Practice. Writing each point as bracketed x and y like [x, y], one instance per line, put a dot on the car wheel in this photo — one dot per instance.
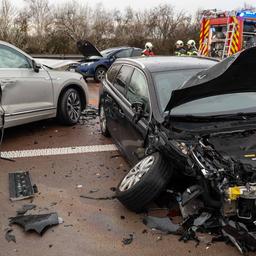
[100, 74]
[144, 182]
[103, 122]
[69, 111]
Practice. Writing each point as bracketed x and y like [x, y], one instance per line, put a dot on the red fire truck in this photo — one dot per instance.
[225, 33]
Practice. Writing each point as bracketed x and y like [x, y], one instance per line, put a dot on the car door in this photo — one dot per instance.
[135, 133]
[114, 100]
[26, 95]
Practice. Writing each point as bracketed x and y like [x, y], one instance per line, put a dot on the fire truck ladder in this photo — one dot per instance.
[231, 30]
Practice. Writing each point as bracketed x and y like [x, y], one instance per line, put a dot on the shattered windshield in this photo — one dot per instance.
[167, 81]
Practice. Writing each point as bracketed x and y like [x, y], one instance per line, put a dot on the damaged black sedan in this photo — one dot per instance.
[189, 126]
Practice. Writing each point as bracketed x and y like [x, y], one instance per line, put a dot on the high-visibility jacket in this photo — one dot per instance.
[180, 52]
[192, 51]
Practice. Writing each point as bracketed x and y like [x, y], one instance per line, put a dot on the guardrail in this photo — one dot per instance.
[58, 56]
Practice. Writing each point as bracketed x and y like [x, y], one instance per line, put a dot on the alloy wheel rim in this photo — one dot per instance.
[73, 106]
[136, 173]
[100, 74]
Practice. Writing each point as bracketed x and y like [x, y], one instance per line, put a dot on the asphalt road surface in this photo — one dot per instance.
[91, 227]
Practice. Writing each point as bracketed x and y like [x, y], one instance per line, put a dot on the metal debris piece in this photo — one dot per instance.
[163, 224]
[88, 114]
[199, 221]
[99, 198]
[127, 241]
[38, 223]
[20, 186]
[238, 234]
[10, 237]
[25, 208]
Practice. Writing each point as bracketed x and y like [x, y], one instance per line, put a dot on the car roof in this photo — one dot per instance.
[120, 48]
[165, 63]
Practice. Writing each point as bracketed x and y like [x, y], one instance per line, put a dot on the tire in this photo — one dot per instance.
[69, 110]
[103, 122]
[148, 187]
[100, 74]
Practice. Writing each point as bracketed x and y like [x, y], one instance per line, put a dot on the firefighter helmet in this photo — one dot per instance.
[191, 43]
[149, 46]
[179, 43]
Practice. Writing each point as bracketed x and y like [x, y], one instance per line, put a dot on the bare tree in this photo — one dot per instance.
[7, 16]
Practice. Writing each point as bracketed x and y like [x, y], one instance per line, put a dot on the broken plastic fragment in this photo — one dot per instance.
[25, 208]
[127, 241]
[163, 224]
[38, 223]
[10, 237]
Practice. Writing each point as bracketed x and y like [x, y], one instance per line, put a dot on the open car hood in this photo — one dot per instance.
[88, 49]
[1, 114]
[233, 75]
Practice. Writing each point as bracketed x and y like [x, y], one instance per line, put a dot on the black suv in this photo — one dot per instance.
[188, 123]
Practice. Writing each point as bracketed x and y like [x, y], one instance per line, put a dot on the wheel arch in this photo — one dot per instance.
[80, 91]
[101, 66]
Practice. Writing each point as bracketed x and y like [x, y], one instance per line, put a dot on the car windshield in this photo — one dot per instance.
[219, 105]
[167, 81]
[105, 53]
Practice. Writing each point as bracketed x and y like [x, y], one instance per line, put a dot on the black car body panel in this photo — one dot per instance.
[216, 153]
[234, 74]
[88, 49]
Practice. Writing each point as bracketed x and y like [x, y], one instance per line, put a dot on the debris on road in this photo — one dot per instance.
[9, 236]
[163, 224]
[20, 186]
[127, 241]
[38, 223]
[25, 208]
[90, 113]
[98, 198]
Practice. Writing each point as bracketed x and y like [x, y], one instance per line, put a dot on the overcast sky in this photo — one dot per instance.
[188, 5]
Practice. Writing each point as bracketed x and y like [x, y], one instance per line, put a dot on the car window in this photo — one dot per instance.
[124, 53]
[167, 81]
[123, 78]
[112, 72]
[10, 58]
[138, 89]
[136, 52]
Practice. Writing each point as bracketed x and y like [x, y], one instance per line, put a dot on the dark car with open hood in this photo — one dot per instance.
[188, 125]
[96, 63]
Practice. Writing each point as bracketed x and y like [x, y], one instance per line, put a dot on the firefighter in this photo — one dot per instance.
[148, 50]
[191, 48]
[180, 50]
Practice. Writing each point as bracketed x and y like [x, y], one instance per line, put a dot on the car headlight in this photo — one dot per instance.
[86, 64]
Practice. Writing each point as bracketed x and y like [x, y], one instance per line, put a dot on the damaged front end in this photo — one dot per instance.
[219, 177]
[227, 184]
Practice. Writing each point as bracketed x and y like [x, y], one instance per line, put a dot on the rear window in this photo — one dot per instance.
[136, 52]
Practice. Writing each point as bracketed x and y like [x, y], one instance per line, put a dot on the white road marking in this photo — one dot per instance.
[58, 151]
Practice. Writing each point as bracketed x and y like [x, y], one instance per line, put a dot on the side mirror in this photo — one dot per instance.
[138, 109]
[36, 66]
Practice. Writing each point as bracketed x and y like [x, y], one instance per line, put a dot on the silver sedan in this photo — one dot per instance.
[30, 91]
